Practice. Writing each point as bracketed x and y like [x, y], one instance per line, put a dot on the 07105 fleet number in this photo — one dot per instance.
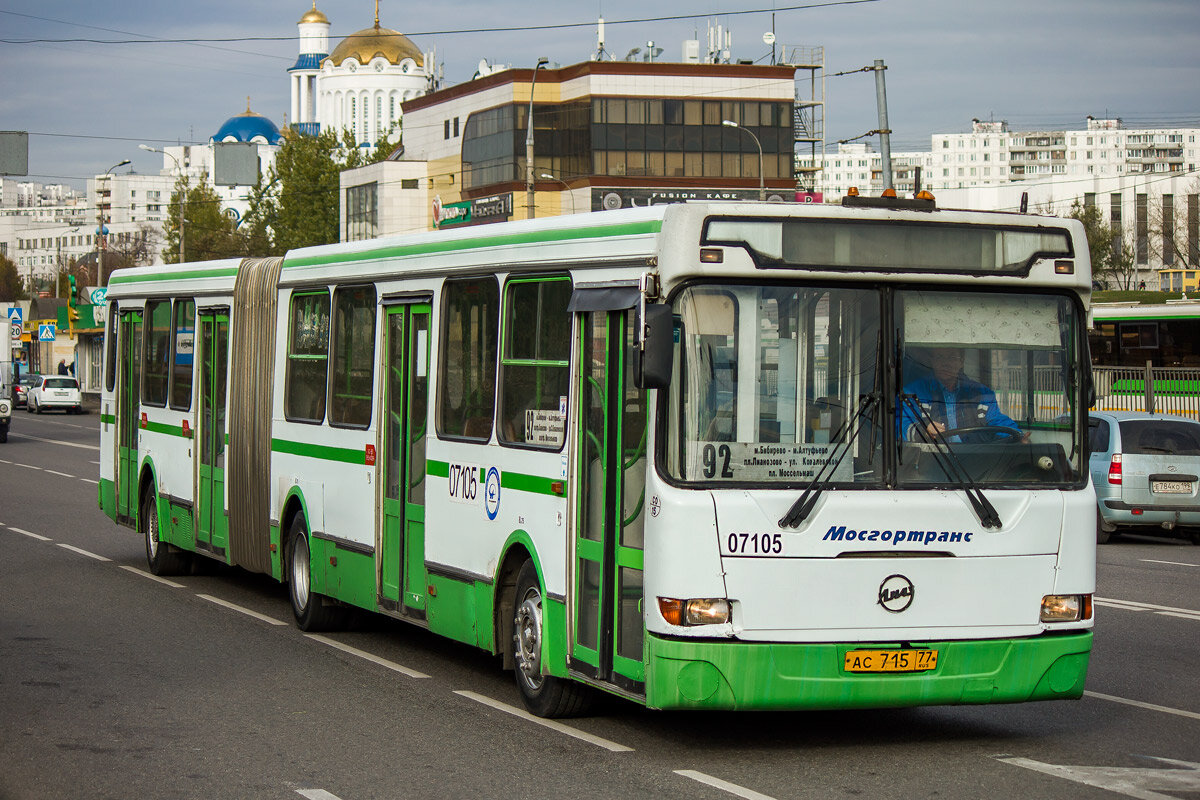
[754, 544]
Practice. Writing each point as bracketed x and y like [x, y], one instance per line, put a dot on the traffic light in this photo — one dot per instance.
[72, 300]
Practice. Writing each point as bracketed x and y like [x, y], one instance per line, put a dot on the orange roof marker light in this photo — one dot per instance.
[852, 191]
[888, 193]
[924, 194]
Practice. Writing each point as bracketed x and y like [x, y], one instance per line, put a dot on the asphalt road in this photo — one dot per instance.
[114, 684]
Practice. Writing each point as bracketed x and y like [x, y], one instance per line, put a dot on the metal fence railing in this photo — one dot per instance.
[1164, 390]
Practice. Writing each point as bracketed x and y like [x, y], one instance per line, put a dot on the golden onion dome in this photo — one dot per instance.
[313, 16]
[376, 41]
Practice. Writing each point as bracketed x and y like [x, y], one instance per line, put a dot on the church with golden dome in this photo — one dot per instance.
[360, 85]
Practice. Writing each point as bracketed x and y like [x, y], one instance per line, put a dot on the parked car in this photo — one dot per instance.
[1146, 470]
[21, 388]
[55, 391]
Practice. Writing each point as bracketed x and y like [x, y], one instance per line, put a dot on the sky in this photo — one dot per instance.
[1039, 64]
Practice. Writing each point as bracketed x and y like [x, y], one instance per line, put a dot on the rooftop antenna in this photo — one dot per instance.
[600, 51]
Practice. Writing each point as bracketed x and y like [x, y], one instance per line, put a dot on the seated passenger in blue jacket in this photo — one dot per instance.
[948, 399]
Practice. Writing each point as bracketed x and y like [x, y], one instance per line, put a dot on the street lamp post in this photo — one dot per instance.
[100, 228]
[182, 191]
[567, 186]
[541, 62]
[762, 186]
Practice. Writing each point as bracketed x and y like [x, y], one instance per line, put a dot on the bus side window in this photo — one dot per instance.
[467, 379]
[307, 357]
[534, 360]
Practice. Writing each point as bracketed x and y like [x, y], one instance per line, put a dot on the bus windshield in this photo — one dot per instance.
[775, 384]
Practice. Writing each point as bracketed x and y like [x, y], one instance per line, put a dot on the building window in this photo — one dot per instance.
[362, 212]
[467, 379]
[307, 358]
[410, 183]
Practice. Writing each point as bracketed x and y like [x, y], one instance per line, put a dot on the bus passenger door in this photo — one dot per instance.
[129, 387]
[405, 405]
[608, 624]
[212, 525]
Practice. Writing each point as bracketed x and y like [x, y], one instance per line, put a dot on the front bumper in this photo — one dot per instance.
[753, 675]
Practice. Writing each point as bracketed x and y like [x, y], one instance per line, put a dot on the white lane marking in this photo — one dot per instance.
[56, 472]
[89, 480]
[317, 794]
[374, 659]
[39, 537]
[152, 577]
[97, 463]
[1138, 782]
[1172, 563]
[235, 607]
[95, 447]
[724, 786]
[546, 723]
[1139, 704]
[26, 466]
[1132, 605]
[82, 552]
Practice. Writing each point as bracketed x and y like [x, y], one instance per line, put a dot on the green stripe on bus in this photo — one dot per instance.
[321, 451]
[517, 481]
[426, 248]
[159, 427]
[534, 484]
[108, 419]
[224, 272]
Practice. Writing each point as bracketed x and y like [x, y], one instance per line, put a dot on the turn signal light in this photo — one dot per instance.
[697, 611]
[1066, 607]
[1114, 469]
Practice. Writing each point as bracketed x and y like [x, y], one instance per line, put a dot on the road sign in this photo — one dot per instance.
[46, 332]
[99, 295]
[14, 315]
[17, 330]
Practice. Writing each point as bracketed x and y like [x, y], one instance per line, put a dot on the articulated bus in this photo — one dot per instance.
[676, 454]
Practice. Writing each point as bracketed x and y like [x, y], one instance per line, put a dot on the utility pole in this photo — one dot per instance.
[541, 62]
[101, 233]
[885, 133]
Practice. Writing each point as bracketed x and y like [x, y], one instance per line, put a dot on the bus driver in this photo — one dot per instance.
[949, 400]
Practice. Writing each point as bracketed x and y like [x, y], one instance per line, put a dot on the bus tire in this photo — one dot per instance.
[162, 558]
[313, 612]
[544, 695]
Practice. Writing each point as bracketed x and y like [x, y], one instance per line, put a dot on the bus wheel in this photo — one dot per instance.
[543, 695]
[313, 612]
[162, 558]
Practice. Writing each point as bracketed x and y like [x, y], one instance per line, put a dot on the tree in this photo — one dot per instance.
[207, 232]
[297, 203]
[11, 286]
[1111, 255]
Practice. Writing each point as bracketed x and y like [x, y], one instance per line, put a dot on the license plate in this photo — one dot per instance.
[1171, 487]
[890, 660]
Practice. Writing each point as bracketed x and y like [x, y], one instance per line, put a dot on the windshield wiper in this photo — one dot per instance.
[849, 432]
[951, 465]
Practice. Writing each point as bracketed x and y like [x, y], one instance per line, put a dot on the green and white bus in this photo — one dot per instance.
[655, 452]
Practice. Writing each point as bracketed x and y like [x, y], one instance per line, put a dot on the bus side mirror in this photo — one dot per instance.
[652, 362]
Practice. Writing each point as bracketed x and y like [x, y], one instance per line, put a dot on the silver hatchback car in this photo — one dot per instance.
[1146, 470]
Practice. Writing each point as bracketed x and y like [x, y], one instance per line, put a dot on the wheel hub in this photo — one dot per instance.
[528, 637]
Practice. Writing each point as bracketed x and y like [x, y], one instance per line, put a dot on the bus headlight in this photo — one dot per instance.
[696, 611]
[1066, 607]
